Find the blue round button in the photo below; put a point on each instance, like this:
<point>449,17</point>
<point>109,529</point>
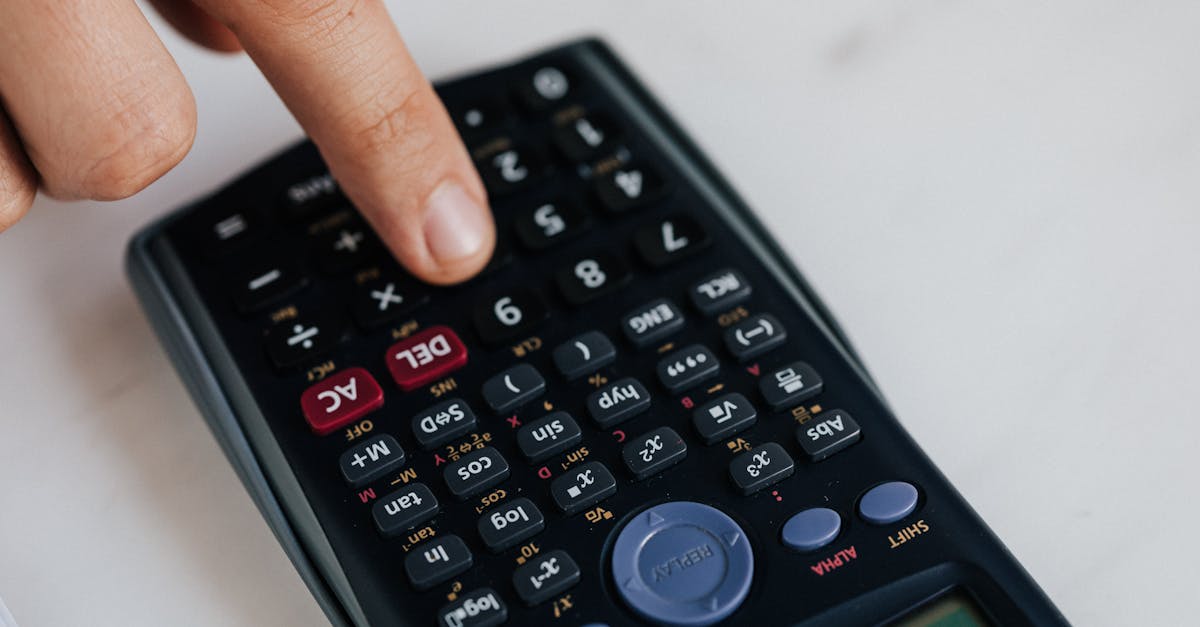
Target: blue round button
<point>811,529</point>
<point>888,502</point>
<point>683,563</point>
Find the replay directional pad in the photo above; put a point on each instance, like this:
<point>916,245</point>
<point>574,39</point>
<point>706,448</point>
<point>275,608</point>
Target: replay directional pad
<point>683,563</point>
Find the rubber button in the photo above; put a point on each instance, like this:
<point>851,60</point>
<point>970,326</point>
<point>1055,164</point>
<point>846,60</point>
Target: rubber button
<point>683,563</point>
<point>888,502</point>
<point>811,529</point>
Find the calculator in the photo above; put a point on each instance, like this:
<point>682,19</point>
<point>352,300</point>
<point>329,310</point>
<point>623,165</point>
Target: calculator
<point>638,413</point>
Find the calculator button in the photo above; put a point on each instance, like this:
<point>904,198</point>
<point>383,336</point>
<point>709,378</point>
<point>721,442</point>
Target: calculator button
<point>668,240</point>
<point>548,435</point>
<point>590,277</point>
<point>371,459</point>
<point>628,187</point>
<point>296,341</point>
<point>787,386</point>
<point>481,607</point>
<point>888,502</point>
<point>719,291</point>
<point>266,284</point>
<point>811,529</point>
<point>345,248</point>
<point>545,577</point>
<point>586,136</point>
<point>510,523</point>
<point>513,387</point>
<point>381,301</point>
<point>582,486</point>
<point>546,224</point>
<point>510,169</point>
<point>617,402</point>
<point>425,357</point>
<point>477,117</point>
<point>760,467</point>
<point>501,256</point>
<point>724,416</point>
<point>437,561</point>
<point>475,472</point>
<point>310,196</point>
<point>653,452</point>
<point>652,322</point>
<point>545,87</point>
<point>404,509</point>
<point>583,354</point>
<point>229,232</point>
<point>829,432</point>
<point>443,422</point>
<point>754,336</point>
<point>508,314</point>
<point>339,399</point>
<point>687,367</point>
<point>683,563</point>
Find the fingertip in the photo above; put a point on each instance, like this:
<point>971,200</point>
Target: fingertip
<point>449,241</point>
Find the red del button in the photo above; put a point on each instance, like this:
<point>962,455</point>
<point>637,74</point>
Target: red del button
<point>426,357</point>
<point>339,399</point>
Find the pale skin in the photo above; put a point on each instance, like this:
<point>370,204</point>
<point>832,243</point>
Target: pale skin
<point>93,107</point>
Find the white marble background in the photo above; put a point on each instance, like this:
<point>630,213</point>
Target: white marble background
<point>999,202</point>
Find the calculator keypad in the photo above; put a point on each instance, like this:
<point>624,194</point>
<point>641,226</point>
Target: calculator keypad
<point>615,352</point>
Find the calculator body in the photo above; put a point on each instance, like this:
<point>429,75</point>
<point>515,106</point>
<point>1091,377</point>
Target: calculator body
<point>244,362</point>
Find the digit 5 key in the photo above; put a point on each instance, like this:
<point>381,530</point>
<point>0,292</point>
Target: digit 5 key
<point>426,357</point>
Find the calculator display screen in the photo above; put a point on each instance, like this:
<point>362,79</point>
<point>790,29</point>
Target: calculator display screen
<point>953,610</point>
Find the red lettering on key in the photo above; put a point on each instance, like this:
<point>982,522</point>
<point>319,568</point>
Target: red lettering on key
<point>339,399</point>
<point>426,357</point>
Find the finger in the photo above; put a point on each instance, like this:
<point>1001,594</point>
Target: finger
<point>99,105</point>
<point>18,183</point>
<point>195,24</point>
<point>345,74</point>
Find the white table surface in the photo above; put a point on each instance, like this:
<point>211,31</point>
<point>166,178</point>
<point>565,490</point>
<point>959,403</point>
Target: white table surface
<point>1002,205</point>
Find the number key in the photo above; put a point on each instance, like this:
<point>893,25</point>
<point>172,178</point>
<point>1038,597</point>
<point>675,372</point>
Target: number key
<point>508,315</point>
<point>590,277</point>
<point>548,223</point>
<point>509,169</point>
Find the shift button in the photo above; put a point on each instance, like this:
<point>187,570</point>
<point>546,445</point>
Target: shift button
<point>888,502</point>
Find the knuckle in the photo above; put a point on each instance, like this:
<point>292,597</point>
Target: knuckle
<point>16,197</point>
<point>143,140</point>
<point>394,121</point>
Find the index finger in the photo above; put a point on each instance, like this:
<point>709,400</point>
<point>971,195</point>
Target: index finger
<point>343,71</point>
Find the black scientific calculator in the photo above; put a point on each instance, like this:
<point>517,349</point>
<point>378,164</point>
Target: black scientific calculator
<point>639,413</point>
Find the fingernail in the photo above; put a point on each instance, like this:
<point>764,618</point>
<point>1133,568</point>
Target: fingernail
<point>455,224</point>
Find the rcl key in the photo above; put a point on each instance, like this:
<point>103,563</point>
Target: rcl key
<point>426,357</point>
<point>340,399</point>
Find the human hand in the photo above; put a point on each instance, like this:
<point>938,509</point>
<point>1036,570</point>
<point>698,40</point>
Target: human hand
<point>93,106</point>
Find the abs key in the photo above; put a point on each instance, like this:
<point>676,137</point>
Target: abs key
<point>426,357</point>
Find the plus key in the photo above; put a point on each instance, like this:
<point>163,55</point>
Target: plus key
<point>426,357</point>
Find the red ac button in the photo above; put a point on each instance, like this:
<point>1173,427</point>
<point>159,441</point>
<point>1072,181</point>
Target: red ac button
<point>340,399</point>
